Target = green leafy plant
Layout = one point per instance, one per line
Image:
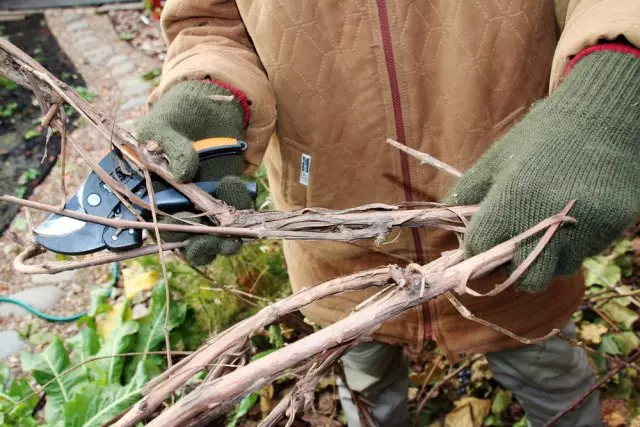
(38, 55)
(7, 84)
(499, 406)
(28, 175)
(243, 408)
(151, 333)
(258, 269)
(91, 378)
(608, 325)
(152, 74)
(84, 93)
(48, 367)
(20, 191)
(8, 109)
(96, 404)
(264, 197)
(276, 341)
(31, 133)
(605, 271)
(69, 110)
(12, 391)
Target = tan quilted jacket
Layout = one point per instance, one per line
(335, 78)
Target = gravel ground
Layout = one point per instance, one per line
(144, 36)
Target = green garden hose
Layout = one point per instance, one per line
(115, 274)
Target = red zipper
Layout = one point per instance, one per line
(387, 44)
(397, 112)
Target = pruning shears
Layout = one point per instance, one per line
(71, 236)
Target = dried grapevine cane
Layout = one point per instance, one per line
(213, 399)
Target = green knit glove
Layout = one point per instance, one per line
(188, 112)
(583, 143)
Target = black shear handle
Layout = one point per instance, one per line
(172, 201)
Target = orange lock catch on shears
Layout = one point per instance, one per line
(216, 147)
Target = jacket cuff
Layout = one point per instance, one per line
(239, 95)
(604, 47)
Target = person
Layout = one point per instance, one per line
(536, 101)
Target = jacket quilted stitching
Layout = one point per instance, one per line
(446, 76)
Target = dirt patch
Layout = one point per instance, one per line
(26, 159)
(140, 31)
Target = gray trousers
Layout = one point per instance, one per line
(545, 378)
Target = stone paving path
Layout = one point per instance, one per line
(112, 70)
(107, 63)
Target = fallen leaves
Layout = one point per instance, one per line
(467, 412)
(622, 316)
(622, 343)
(109, 320)
(266, 399)
(591, 333)
(480, 370)
(136, 280)
(614, 412)
(600, 271)
(429, 372)
(501, 401)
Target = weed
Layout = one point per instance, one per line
(100, 390)
(69, 110)
(7, 84)
(20, 191)
(127, 37)
(259, 269)
(84, 93)
(68, 77)
(150, 75)
(8, 110)
(38, 55)
(28, 175)
(31, 133)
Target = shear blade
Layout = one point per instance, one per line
(70, 236)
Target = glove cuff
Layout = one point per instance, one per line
(601, 91)
(604, 47)
(239, 95)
